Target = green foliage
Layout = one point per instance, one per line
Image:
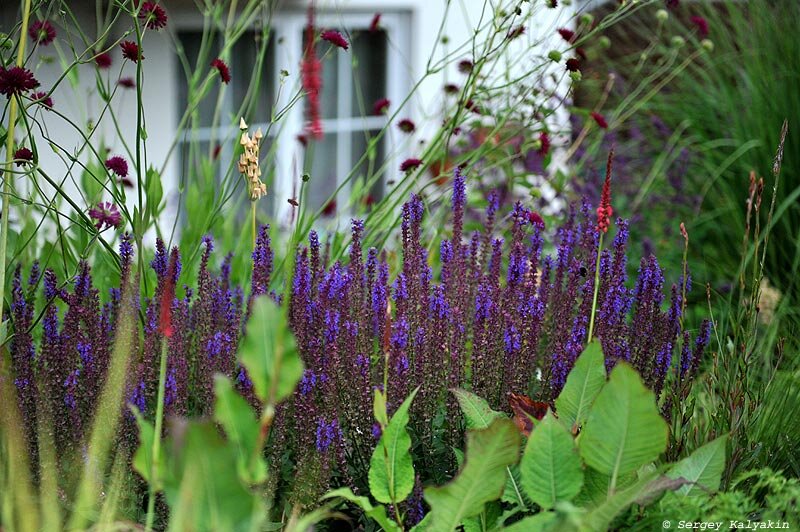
(582, 386)
(391, 471)
(702, 469)
(268, 352)
(481, 479)
(377, 513)
(477, 412)
(551, 468)
(624, 429)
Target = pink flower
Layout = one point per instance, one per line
(153, 16)
(566, 34)
(106, 214)
(311, 77)
(335, 38)
(23, 156)
(222, 68)
(16, 80)
(118, 165)
(406, 125)
(42, 32)
(131, 51)
(103, 60)
(604, 211)
(701, 24)
(374, 26)
(380, 106)
(410, 164)
(46, 100)
(600, 119)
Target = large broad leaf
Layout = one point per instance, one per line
(480, 480)
(535, 523)
(477, 412)
(391, 471)
(583, 384)
(643, 491)
(242, 428)
(268, 352)
(703, 468)
(378, 513)
(550, 467)
(624, 430)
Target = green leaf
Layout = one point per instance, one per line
(583, 384)
(536, 523)
(268, 352)
(379, 408)
(154, 190)
(513, 492)
(624, 430)
(143, 457)
(477, 412)
(391, 470)
(377, 513)
(242, 429)
(550, 467)
(480, 480)
(703, 468)
(643, 491)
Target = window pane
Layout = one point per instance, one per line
(192, 42)
(369, 70)
(249, 76)
(323, 171)
(370, 170)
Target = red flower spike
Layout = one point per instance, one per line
(374, 26)
(311, 78)
(599, 119)
(168, 295)
(604, 211)
(222, 68)
(335, 38)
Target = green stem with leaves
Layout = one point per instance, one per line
(154, 463)
(12, 118)
(596, 288)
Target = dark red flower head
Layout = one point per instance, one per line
(380, 106)
(406, 125)
(16, 80)
(126, 83)
(515, 32)
(573, 64)
(451, 88)
(374, 26)
(534, 218)
(23, 156)
(106, 214)
(118, 165)
(604, 211)
(302, 139)
(701, 24)
(465, 66)
(222, 68)
(42, 32)
(335, 38)
(410, 164)
(330, 208)
(131, 51)
(46, 100)
(153, 16)
(544, 140)
(672, 4)
(600, 119)
(567, 34)
(103, 60)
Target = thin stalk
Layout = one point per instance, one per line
(596, 287)
(253, 221)
(12, 118)
(154, 465)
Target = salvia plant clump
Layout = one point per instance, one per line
(495, 317)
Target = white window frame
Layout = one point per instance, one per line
(287, 35)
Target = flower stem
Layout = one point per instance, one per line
(596, 288)
(154, 463)
(253, 221)
(12, 118)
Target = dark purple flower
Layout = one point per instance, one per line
(23, 156)
(335, 38)
(42, 32)
(153, 16)
(106, 215)
(16, 80)
(118, 165)
(131, 51)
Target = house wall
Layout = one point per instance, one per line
(76, 100)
